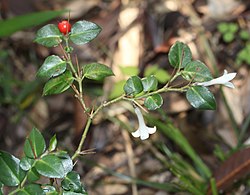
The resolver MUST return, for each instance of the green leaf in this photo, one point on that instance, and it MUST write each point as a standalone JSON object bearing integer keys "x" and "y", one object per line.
{"x": 52, "y": 143}
{"x": 72, "y": 182}
{"x": 160, "y": 74}
{"x": 26, "y": 163}
{"x": 25, "y": 21}
{"x": 228, "y": 37}
{"x": 83, "y": 32}
{"x": 244, "y": 35}
{"x": 233, "y": 27}
{"x": 179, "y": 55}
{"x": 34, "y": 145}
{"x": 52, "y": 66}
{"x": 133, "y": 86}
{"x": 50, "y": 166}
{"x": 117, "y": 89}
{"x": 149, "y": 83}
{"x": 129, "y": 70}
{"x": 222, "y": 27}
{"x": 48, "y": 36}
{"x": 153, "y": 102}
{"x": 66, "y": 161}
{"x": 11, "y": 174}
{"x": 200, "y": 97}
{"x": 31, "y": 189}
{"x": 58, "y": 84}
{"x": 50, "y": 190}
{"x": 33, "y": 175}
{"x": 196, "y": 71}
{"x": 150, "y": 70}
{"x": 96, "y": 71}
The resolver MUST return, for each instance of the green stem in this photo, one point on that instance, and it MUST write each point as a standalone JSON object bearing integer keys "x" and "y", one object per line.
{"x": 20, "y": 186}
{"x": 14, "y": 192}
{"x": 163, "y": 90}
{"x": 178, "y": 73}
{"x": 122, "y": 97}
{"x": 72, "y": 68}
{"x": 86, "y": 129}
{"x": 105, "y": 104}
{"x": 79, "y": 80}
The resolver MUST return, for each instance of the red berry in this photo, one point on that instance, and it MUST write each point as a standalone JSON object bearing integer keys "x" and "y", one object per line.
{"x": 64, "y": 27}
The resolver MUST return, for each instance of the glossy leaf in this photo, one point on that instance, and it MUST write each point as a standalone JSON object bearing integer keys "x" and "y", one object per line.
{"x": 22, "y": 22}
{"x": 58, "y": 84}
{"x": 50, "y": 166}
{"x": 26, "y": 163}
{"x": 84, "y": 31}
{"x": 48, "y": 36}
{"x": 96, "y": 71}
{"x": 34, "y": 144}
{"x": 149, "y": 83}
{"x": 65, "y": 160}
{"x": 153, "y": 102}
{"x": 52, "y": 143}
{"x": 196, "y": 71}
{"x": 72, "y": 182}
{"x": 50, "y": 190}
{"x": 133, "y": 86}
{"x": 31, "y": 189}
{"x": 52, "y": 66}
{"x": 201, "y": 98}
{"x": 33, "y": 175}
{"x": 11, "y": 173}
{"x": 179, "y": 55}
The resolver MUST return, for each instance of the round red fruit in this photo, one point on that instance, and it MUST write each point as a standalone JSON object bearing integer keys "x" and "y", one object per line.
{"x": 64, "y": 27}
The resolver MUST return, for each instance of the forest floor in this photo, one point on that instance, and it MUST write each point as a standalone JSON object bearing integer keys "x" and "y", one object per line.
{"x": 135, "y": 35}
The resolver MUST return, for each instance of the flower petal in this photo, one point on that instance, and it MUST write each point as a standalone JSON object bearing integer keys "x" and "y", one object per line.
{"x": 144, "y": 135}
{"x": 222, "y": 80}
{"x": 231, "y": 76}
{"x": 151, "y": 130}
{"x": 229, "y": 84}
{"x": 143, "y": 131}
{"x": 137, "y": 133}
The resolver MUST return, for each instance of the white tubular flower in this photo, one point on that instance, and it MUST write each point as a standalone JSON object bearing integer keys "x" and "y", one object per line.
{"x": 143, "y": 131}
{"x": 223, "y": 80}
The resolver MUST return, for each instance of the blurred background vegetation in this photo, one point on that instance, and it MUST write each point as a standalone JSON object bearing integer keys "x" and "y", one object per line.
{"x": 135, "y": 40}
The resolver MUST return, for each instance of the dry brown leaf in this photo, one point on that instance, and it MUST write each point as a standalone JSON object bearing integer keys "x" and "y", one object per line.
{"x": 234, "y": 168}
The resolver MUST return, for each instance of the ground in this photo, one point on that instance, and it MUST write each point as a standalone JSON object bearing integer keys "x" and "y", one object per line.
{"x": 135, "y": 35}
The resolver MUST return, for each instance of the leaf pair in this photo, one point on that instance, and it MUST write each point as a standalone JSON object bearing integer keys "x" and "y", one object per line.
{"x": 199, "y": 97}
{"x": 82, "y": 32}
{"x": 54, "y": 68}
{"x": 52, "y": 165}
{"x": 134, "y": 86}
